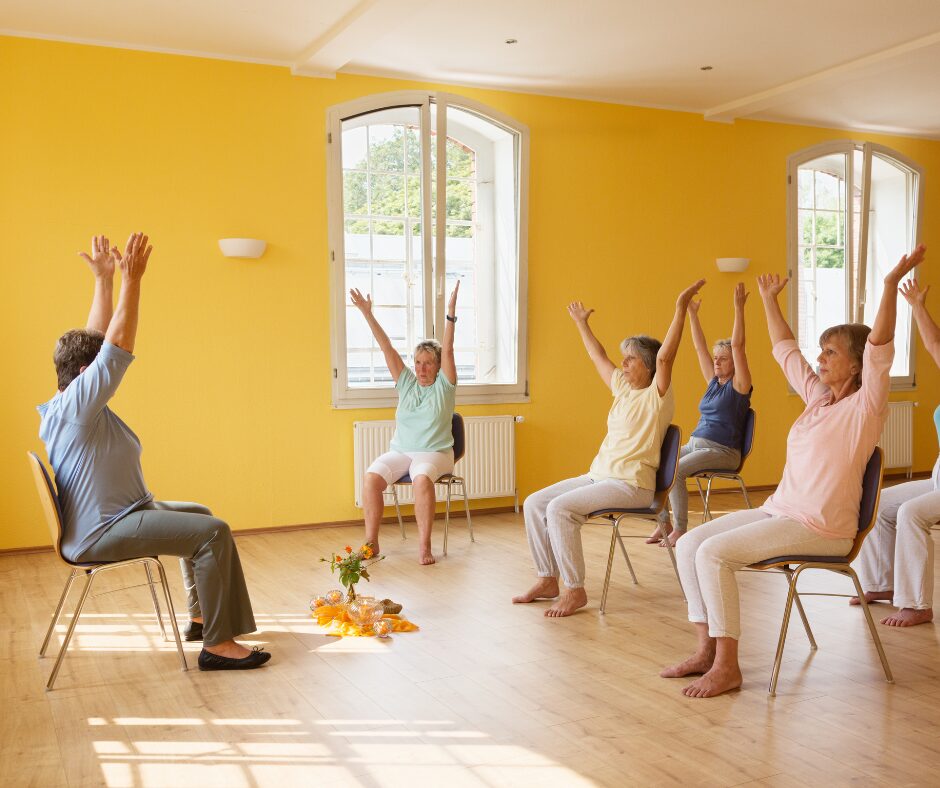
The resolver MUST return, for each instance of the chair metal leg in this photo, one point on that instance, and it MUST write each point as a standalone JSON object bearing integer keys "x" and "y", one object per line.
{"x": 799, "y": 607}
{"x": 747, "y": 500}
{"x": 401, "y": 523}
{"x": 172, "y": 613}
{"x": 871, "y": 625}
{"x": 701, "y": 492}
{"x": 156, "y": 604}
{"x": 778, "y": 658}
{"x": 68, "y": 634}
{"x": 675, "y": 566}
{"x": 626, "y": 557}
{"x": 610, "y": 565}
{"x": 58, "y": 611}
{"x": 708, "y": 497}
{"x": 466, "y": 507}
{"x": 450, "y": 482}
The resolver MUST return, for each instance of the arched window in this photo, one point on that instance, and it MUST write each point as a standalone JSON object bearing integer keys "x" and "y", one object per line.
{"x": 853, "y": 211}
{"x": 406, "y": 230}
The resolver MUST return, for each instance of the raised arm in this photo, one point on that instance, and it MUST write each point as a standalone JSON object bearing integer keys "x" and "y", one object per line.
{"x": 667, "y": 353}
{"x": 882, "y": 331}
{"x": 101, "y": 264}
{"x": 595, "y": 350}
{"x": 742, "y": 372}
{"x": 392, "y": 358}
{"x": 928, "y": 329}
{"x": 122, "y": 330}
{"x": 770, "y": 286}
{"x": 702, "y": 351}
{"x": 448, "y": 365}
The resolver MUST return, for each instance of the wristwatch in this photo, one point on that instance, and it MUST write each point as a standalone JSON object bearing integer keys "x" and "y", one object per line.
{"x": 451, "y": 319}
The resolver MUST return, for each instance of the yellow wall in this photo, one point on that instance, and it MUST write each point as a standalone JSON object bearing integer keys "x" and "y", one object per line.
{"x": 231, "y": 391}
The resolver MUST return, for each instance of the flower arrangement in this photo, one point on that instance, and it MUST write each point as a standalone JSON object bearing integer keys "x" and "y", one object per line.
{"x": 353, "y": 565}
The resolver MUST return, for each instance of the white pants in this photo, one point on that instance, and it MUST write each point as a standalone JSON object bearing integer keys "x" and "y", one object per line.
{"x": 392, "y": 465}
{"x": 708, "y": 557}
{"x": 555, "y": 514}
{"x": 898, "y": 553}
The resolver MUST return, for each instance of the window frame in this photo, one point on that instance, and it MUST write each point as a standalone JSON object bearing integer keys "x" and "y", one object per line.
{"x": 855, "y": 280}
{"x": 343, "y": 396}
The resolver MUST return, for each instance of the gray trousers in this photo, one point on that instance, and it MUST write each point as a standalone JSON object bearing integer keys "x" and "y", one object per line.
{"x": 699, "y": 454}
{"x": 212, "y": 573}
{"x": 555, "y": 514}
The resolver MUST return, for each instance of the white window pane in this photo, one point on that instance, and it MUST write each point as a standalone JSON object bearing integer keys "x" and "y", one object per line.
{"x": 827, "y": 191}
{"x": 394, "y": 322}
{"x": 390, "y": 288}
{"x": 355, "y": 192}
{"x": 356, "y": 240}
{"x": 358, "y": 277}
{"x": 354, "y": 149}
{"x": 388, "y": 240}
{"x": 386, "y": 148}
{"x": 805, "y": 193}
{"x": 459, "y": 244}
{"x": 358, "y": 335}
{"x": 387, "y": 195}
{"x": 359, "y": 369}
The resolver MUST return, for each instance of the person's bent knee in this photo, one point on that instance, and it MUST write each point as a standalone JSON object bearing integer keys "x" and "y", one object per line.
{"x": 375, "y": 481}
{"x": 423, "y": 482}
{"x": 557, "y": 510}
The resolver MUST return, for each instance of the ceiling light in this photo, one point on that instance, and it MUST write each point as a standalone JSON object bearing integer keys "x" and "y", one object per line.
{"x": 512, "y": 40}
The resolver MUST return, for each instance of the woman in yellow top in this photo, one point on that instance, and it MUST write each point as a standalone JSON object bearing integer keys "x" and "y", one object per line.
{"x": 623, "y": 473}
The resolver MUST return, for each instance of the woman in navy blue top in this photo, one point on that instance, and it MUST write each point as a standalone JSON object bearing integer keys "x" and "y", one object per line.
{"x": 716, "y": 440}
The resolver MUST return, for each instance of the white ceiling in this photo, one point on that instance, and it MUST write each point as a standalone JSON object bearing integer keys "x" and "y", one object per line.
{"x": 858, "y": 64}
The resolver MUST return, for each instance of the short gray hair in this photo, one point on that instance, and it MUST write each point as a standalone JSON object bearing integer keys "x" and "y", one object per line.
{"x": 429, "y": 346}
{"x": 645, "y": 347}
{"x": 722, "y": 344}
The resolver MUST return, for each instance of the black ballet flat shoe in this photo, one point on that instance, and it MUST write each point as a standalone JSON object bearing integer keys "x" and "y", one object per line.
{"x": 193, "y": 631}
{"x": 255, "y": 659}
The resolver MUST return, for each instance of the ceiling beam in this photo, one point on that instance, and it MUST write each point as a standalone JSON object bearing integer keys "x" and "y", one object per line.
{"x": 758, "y": 102}
{"x": 368, "y": 21}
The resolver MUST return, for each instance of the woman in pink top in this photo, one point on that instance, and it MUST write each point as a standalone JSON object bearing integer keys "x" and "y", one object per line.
{"x": 814, "y": 510}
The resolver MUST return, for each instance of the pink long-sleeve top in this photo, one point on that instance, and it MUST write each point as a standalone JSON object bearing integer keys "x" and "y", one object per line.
{"x": 830, "y": 444}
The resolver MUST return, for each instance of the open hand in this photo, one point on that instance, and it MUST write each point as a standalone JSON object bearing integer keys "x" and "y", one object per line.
{"x": 694, "y": 306}
{"x": 685, "y": 297}
{"x": 133, "y": 262}
{"x": 100, "y": 260}
{"x": 361, "y": 302}
{"x": 771, "y": 285}
{"x": 740, "y": 295}
{"x": 906, "y": 264}
{"x": 913, "y": 294}
{"x": 578, "y": 313}
{"x": 452, "y": 304}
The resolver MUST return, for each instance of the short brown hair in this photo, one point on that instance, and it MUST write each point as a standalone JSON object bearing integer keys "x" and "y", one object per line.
{"x": 75, "y": 349}
{"x": 855, "y": 336}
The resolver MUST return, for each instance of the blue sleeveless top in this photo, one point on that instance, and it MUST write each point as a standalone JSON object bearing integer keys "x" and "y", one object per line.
{"x": 724, "y": 411}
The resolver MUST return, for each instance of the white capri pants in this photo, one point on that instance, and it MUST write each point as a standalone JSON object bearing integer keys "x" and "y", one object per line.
{"x": 898, "y": 553}
{"x": 392, "y": 465}
{"x": 555, "y": 514}
{"x": 708, "y": 557}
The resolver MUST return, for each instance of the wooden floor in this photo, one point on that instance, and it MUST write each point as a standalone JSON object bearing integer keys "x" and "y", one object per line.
{"x": 486, "y": 694}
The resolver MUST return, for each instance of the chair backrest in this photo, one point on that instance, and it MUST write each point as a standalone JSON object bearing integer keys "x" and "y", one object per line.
{"x": 460, "y": 443}
{"x": 48, "y": 499}
{"x": 747, "y": 442}
{"x": 668, "y": 459}
{"x": 871, "y": 493}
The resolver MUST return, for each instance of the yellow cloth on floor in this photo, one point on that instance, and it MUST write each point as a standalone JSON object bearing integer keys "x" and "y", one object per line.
{"x": 338, "y": 623}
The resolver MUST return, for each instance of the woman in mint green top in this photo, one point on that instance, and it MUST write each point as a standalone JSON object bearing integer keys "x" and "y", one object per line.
{"x": 896, "y": 561}
{"x": 422, "y": 446}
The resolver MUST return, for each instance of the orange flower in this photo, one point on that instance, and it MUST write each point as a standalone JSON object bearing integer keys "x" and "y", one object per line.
{"x": 367, "y": 551}
{"x": 348, "y": 549}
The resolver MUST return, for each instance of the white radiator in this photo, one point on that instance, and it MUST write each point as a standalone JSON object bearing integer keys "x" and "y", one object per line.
{"x": 897, "y": 437}
{"x": 488, "y": 464}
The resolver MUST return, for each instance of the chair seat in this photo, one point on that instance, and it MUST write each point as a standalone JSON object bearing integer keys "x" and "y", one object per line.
{"x": 800, "y": 559}
{"x": 406, "y": 479}
{"x": 646, "y": 511}
{"x": 718, "y": 471}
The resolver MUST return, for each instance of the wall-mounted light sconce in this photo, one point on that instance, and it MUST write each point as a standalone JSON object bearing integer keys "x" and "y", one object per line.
{"x": 242, "y": 247}
{"x": 732, "y": 264}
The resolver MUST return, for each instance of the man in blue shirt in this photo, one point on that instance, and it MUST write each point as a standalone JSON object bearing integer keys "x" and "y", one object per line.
{"x": 108, "y": 514}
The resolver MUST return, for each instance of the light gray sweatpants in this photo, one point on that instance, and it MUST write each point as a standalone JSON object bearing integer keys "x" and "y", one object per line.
{"x": 212, "y": 573}
{"x": 699, "y": 454}
{"x": 555, "y": 514}
{"x": 898, "y": 553}
{"x": 708, "y": 557}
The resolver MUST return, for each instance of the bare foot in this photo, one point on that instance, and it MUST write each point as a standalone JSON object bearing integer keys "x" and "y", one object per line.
{"x": 570, "y": 600}
{"x": 544, "y": 588}
{"x": 873, "y": 596}
{"x": 229, "y": 649}
{"x": 425, "y": 557}
{"x": 657, "y": 536}
{"x": 700, "y": 662}
{"x": 908, "y": 617}
{"x": 717, "y": 681}
{"x": 673, "y": 538}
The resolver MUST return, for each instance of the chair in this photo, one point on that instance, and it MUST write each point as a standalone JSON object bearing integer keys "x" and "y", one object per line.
{"x": 53, "y": 514}
{"x": 460, "y": 447}
{"x": 665, "y": 478}
{"x": 793, "y": 565}
{"x": 746, "y": 445}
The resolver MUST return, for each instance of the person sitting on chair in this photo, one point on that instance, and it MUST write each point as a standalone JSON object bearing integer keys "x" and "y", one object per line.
{"x": 623, "y": 474}
{"x": 896, "y": 560}
{"x": 423, "y": 443}
{"x": 815, "y": 508}
{"x": 715, "y": 444}
{"x": 108, "y": 514}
